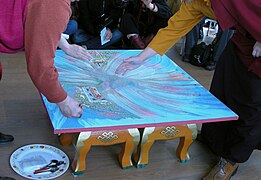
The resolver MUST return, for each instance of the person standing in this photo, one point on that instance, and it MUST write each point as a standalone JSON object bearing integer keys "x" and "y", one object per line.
{"x": 24, "y": 25}
{"x": 236, "y": 81}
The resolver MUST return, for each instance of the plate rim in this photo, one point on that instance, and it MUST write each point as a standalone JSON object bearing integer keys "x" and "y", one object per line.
{"x": 66, "y": 158}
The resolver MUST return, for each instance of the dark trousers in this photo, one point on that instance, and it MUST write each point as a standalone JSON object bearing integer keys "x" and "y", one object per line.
{"x": 240, "y": 90}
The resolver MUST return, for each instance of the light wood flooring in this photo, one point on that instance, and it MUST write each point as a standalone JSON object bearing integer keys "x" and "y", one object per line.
{"x": 22, "y": 114}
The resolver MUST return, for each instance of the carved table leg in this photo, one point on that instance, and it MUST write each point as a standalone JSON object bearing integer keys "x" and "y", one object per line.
{"x": 129, "y": 137}
{"x": 128, "y": 148}
{"x": 67, "y": 139}
{"x": 151, "y": 134}
{"x": 82, "y": 148}
{"x": 141, "y": 157}
{"x": 182, "y": 149}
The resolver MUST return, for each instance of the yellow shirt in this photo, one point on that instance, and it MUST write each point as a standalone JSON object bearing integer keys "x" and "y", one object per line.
{"x": 181, "y": 23}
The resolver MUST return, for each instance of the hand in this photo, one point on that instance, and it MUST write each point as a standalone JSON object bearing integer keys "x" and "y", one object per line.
{"x": 129, "y": 64}
{"x": 77, "y": 52}
{"x": 70, "y": 108}
{"x": 73, "y": 50}
{"x": 108, "y": 34}
{"x": 257, "y": 49}
{"x": 148, "y": 3}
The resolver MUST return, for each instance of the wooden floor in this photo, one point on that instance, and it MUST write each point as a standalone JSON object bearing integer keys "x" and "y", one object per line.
{"x": 22, "y": 114}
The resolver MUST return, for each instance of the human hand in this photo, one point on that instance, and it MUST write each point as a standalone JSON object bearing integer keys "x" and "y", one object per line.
{"x": 73, "y": 50}
{"x": 129, "y": 64}
{"x": 70, "y": 107}
{"x": 257, "y": 49}
{"x": 78, "y": 52}
{"x": 148, "y": 3}
{"x": 108, "y": 34}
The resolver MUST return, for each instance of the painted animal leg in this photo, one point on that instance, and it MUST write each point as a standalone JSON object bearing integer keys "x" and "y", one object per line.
{"x": 144, "y": 154}
{"x": 141, "y": 158}
{"x": 137, "y": 154}
{"x": 82, "y": 148}
{"x": 182, "y": 149}
{"x": 131, "y": 142}
{"x": 67, "y": 138}
{"x": 125, "y": 155}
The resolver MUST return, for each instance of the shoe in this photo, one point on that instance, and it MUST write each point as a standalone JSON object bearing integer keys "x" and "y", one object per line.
{"x": 137, "y": 42}
{"x": 6, "y": 178}
{"x": 211, "y": 65}
{"x": 4, "y": 138}
{"x": 224, "y": 170}
{"x": 148, "y": 39}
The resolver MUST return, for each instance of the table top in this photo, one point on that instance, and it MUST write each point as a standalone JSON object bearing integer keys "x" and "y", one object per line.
{"x": 158, "y": 93}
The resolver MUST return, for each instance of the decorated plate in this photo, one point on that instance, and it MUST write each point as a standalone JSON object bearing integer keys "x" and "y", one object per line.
{"x": 39, "y": 161}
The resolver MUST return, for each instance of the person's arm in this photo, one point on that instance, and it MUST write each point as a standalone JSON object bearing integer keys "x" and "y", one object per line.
{"x": 159, "y": 7}
{"x": 151, "y": 6}
{"x": 74, "y": 50}
{"x": 179, "y": 24}
{"x": 135, "y": 61}
{"x": 45, "y": 21}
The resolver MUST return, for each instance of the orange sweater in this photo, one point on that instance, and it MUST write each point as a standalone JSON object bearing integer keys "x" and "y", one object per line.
{"x": 180, "y": 24}
{"x": 192, "y": 12}
{"x": 45, "y": 21}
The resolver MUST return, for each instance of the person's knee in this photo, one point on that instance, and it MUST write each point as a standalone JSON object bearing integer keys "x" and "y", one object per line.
{"x": 79, "y": 36}
{"x": 72, "y": 27}
{"x": 116, "y": 35}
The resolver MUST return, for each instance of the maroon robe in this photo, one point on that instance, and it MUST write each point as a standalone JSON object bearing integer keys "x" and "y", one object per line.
{"x": 237, "y": 82}
{"x": 245, "y": 17}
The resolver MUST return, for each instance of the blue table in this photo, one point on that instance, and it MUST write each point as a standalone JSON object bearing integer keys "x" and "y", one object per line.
{"x": 158, "y": 96}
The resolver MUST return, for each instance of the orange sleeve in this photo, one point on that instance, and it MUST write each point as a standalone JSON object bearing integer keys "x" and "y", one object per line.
{"x": 45, "y": 21}
{"x": 189, "y": 14}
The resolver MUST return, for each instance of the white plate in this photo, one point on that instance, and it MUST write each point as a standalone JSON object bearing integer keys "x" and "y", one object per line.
{"x": 28, "y": 158}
